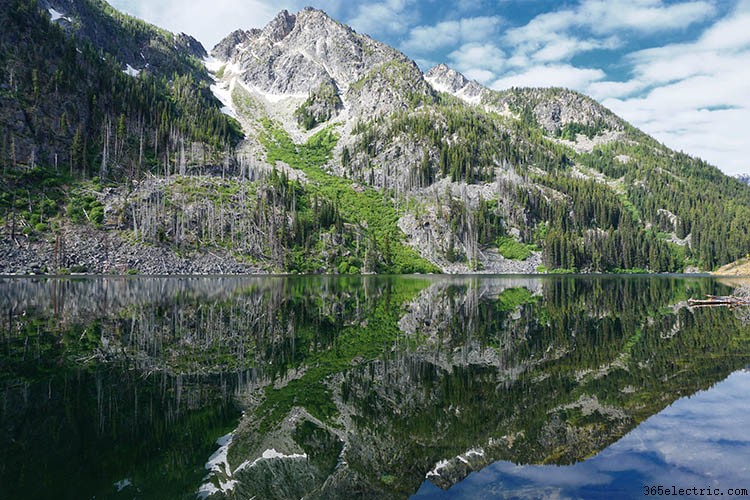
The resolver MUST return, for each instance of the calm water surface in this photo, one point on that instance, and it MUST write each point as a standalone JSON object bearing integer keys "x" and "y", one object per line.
{"x": 370, "y": 387}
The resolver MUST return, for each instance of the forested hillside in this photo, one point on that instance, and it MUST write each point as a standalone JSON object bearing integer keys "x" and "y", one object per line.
{"x": 628, "y": 203}
{"x": 69, "y": 103}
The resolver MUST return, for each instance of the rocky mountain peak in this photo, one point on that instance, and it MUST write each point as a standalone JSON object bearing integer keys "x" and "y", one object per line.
{"x": 445, "y": 79}
{"x": 188, "y": 44}
{"x": 280, "y": 26}
{"x": 223, "y": 49}
{"x": 308, "y": 19}
{"x": 296, "y": 54}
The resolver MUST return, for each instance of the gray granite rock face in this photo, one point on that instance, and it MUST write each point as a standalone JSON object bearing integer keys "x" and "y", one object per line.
{"x": 552, "y": 108}
{"x": 223, "y": 50}
{"x": 443, "y": 77}
{"x": 298, "y": 53}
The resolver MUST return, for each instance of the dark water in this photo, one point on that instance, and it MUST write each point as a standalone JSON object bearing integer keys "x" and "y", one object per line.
{"x": 370, "y": 387}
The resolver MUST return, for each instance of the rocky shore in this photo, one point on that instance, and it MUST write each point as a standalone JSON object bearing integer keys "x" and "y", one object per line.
{"x": 86, "y": 250}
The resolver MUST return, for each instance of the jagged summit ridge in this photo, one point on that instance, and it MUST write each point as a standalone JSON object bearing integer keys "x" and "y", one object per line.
{"x": 308, "y": 55}
{"x": 445, "y": 79}
{"x": 223, "y": 50}
{"x": 294, "y": 55}
{"x": 551, "y": 108}
{"x": 280, "y": 26}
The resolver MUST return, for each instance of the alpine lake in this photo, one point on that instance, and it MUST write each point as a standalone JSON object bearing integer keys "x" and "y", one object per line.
{"x": 382, "y": 387}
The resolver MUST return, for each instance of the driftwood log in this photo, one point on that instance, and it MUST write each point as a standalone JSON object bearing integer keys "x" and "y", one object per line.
{"x": 720, "y": 300}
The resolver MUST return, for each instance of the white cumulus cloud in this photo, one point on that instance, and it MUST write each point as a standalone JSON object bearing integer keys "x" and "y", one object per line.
{"x": 696, "y": 96}
{"x": 451, "y": 33}
{"x": 387, "y": 17}
{"x": 477, "y": 56}
{"x": 640, "y": 15}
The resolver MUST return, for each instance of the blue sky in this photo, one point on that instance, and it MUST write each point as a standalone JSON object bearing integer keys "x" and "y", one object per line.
{"x": 679, "y": 70}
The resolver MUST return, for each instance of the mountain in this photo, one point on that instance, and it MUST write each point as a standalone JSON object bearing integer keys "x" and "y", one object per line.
{"x": 351, "y": 387}
{"x": 134, "y": 43}
{"x": 444, "y": 79}
{"x": 352, "y": 160}
{"x": 92, "y": 91}
{"x": 87, "y": 92}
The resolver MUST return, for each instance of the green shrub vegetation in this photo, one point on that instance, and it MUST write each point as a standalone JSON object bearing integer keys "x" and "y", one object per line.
{"x": 363, "y": 217}
{"x": 512, "y": 249}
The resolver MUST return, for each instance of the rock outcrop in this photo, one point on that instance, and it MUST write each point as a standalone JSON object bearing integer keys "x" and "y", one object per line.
{"x": 444, "y": 79}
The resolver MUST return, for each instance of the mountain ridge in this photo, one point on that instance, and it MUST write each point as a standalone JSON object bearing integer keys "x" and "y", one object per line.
{"x": 137, "y": 44}
{"x": 296, "y": 53}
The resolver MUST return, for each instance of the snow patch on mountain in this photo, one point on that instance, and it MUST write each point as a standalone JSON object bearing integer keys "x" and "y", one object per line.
{"x": 129, "y": 70}
{"x": 57, "y": 15}
{"x": 218, "y": 465}
{"x": 269, "y": 455}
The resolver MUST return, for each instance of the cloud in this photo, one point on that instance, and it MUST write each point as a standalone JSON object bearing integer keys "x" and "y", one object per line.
{"x": 387, "y": 17}
{"x": 699, "y": 441}
{"x": 481, "y": 75}
{"x": 608, "y": 89}
{"x": 558, "y": 75}
{"x": 700, "y": 115}
{"x": 730, "y": 33}
{"x": 555, "y": 36}
{"x": 562, "y": 48}
{"x": 542, "y": 27}
{"x": 606, "y": 16}
{"x": 720, "y": 49}
{"x": 701, "y": 435}
{"x": 451, "y": 33}
{"x": 477, "y": 56}
{"x": 692, "y": 96}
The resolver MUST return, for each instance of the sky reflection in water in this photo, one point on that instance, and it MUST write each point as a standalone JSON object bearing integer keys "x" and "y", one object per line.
{"x": 699, "y": 441}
